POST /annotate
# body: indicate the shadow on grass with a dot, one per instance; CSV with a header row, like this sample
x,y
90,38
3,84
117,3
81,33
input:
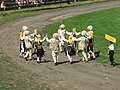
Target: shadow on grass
x,y
97,53
117,64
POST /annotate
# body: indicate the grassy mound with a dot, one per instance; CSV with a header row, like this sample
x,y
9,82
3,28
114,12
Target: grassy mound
x,y
104,22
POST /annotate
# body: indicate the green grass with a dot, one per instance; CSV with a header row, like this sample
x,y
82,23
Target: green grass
x,y
104,22
7,17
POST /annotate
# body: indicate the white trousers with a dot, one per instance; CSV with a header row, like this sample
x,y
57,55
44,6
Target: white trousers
x,y
55,56
61,45
39,59
84,56
93,54
29,53
69,57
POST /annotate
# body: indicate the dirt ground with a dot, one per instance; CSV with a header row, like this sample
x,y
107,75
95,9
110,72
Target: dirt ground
x,y
79,75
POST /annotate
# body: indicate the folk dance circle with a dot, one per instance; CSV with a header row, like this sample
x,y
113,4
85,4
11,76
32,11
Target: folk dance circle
x,y
31,44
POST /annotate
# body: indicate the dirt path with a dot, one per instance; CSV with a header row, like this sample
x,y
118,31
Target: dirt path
x,y
79,76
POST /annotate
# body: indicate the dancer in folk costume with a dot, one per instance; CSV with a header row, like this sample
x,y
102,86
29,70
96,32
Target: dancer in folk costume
x,y
74,34
28,44
35,40
34,36
40,50
90,36
82,45
61,34
70,50
21,44
54,47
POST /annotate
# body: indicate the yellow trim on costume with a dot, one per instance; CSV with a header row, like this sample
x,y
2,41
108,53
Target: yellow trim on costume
x,y
110,38
91,33
20,34
70,40
38,39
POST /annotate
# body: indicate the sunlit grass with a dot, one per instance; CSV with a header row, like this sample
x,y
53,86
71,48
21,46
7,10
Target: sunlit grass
x,y
104,22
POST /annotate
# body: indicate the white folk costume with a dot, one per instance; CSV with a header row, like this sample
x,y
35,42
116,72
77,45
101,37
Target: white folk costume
x,y
22,44
28,44
54,47
40,50
90,36
73,34
61,35
34,36
70,50
83,45
35,40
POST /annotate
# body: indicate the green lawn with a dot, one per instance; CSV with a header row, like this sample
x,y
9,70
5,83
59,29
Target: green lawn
x,y
104,22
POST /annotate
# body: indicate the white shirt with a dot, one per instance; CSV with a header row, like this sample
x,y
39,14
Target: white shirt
x,y
71,33
111,47
2,5
61,33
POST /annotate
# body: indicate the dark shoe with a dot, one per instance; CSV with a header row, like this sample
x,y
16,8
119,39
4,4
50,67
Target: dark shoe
x,y
26,59
38,61
55,64
86,61
71,62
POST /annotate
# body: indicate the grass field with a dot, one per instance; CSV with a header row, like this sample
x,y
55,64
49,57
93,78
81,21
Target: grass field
x,y
104,22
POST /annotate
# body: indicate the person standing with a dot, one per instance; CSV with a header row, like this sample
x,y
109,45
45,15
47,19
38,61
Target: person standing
x,y
28,45
3,5
111,53
34,36
70,50
54,47
61,35
82,45
74,34
22,50
90,36
40,50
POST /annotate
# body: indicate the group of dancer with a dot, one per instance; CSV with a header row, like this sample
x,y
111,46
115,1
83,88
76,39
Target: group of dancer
x,y
77,42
